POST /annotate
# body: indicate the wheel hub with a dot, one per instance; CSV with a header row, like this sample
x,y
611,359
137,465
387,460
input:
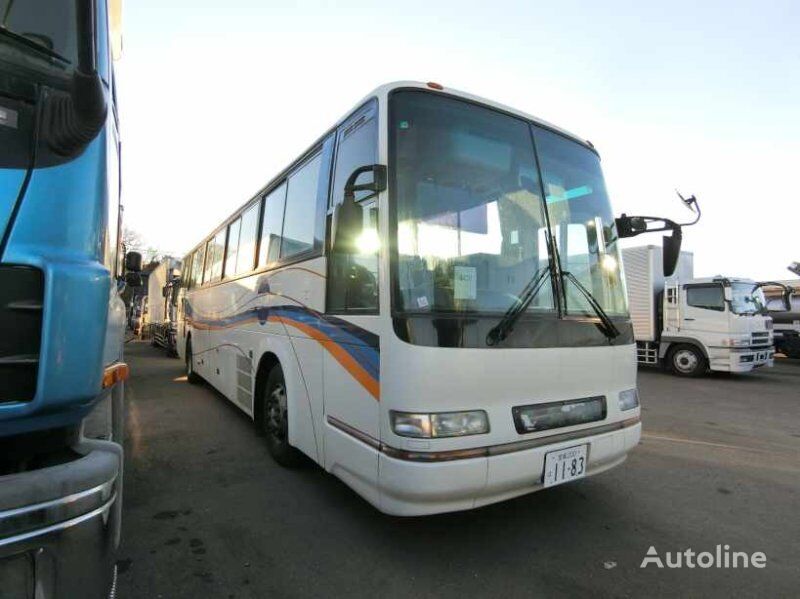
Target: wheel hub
x,y
276,413
685,360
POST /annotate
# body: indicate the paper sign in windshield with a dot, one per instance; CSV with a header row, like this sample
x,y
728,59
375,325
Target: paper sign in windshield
x,y
466,283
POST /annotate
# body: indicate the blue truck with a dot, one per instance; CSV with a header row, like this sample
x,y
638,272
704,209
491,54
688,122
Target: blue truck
x,y
62,319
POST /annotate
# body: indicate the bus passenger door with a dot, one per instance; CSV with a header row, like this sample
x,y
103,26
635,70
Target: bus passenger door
x,y
351,363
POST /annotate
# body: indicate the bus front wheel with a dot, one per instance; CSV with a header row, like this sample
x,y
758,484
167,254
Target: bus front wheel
x,y
275,420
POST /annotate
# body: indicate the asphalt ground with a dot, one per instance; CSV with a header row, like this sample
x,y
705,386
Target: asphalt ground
x,y
207,512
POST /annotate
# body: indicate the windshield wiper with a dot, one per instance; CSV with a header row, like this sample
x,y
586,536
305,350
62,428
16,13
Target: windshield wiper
x,y
32,44
501,330
608,328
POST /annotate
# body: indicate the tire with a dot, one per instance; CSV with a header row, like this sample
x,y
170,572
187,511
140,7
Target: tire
x,y
687,360
275,420
191,375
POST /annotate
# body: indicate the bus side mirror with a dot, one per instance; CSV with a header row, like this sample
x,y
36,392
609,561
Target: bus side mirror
x,y
672,251
133,279
630,226
133,262
348,217
375,185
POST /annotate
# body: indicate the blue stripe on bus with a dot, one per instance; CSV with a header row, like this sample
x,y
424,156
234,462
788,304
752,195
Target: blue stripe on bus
x,y
360,344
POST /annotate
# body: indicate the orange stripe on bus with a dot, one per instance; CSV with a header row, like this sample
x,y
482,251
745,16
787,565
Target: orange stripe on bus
x,y
338,352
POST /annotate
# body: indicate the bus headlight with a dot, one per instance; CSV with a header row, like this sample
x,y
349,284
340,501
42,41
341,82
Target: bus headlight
x,y
441,424
628,399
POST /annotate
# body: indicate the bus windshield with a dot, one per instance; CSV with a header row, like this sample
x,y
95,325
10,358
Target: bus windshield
x,y
745,299
476,195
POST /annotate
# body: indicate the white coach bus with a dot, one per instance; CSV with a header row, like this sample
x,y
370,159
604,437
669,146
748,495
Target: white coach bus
x,y
428,303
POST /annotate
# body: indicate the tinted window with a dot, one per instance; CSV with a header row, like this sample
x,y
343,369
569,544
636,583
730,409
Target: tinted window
x,y
301,208
233,247
197,267
209,260
247,239
353,271
471,229
271,226
710,297
44,22
216,252
357,147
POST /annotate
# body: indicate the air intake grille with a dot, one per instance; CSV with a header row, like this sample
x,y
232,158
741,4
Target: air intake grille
x,y
21,294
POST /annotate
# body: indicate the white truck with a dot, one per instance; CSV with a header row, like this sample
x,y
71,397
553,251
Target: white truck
x,y
691,325
160,322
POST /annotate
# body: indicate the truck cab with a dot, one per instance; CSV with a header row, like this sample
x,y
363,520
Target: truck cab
x,y
716,323
692,325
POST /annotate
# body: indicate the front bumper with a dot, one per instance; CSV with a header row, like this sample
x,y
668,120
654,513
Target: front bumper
x,y
60,526
414,485
750,359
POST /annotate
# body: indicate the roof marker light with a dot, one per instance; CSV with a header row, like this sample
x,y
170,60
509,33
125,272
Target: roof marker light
x,y
434,85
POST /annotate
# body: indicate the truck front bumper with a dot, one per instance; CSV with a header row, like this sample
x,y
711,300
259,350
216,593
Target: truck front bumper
x,y
60,526
745,360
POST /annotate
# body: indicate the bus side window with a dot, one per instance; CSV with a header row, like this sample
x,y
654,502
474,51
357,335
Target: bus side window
x,y
301,201
233,248
353,276
247,239
197,267
271,226
209,259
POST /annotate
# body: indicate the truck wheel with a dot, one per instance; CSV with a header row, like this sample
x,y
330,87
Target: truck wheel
x,y
191,375
275,420
687,360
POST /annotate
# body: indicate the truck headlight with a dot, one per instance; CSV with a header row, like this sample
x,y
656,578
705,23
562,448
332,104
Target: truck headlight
x,y
736,342
440,424
628,399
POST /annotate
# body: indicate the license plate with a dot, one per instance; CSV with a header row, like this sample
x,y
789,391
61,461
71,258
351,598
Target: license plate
x,y
564,465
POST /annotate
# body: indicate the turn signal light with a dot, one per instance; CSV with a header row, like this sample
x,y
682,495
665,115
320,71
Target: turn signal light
x,y
115,373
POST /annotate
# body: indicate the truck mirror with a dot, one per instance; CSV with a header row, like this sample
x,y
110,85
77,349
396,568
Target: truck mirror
x,y
788,295
133,262
672,251
133,279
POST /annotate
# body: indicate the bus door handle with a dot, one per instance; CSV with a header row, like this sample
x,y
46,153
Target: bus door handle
x,y
688,318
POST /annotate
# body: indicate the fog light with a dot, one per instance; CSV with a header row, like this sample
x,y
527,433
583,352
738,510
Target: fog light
x,y
628,399
539,417
441,424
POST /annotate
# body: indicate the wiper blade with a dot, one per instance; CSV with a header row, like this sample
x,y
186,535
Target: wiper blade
x,y
21,39
501,330
608,328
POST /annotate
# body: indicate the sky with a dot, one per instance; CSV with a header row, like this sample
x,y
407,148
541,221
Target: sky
x,y
217,97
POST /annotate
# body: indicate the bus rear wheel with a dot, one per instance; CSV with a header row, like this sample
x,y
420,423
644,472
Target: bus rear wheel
x,y
687,360
275,420
191,375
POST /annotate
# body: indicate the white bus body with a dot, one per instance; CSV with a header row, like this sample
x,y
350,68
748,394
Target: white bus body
x,y
693,324
379,345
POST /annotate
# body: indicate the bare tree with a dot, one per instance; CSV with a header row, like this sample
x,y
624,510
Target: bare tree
x,y
132,240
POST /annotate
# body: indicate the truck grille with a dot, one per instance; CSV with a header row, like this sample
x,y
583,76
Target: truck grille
x,y
21,295
761,338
